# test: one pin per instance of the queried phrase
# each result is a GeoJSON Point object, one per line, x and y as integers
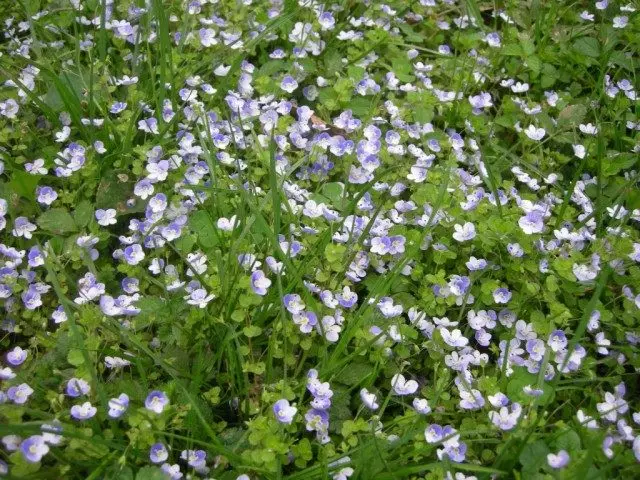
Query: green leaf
{"type": "Point", "coordinates": [613, 165]}
{"type": "Point", "coordinates": [353, 426]}
{"type": "Point", "coordinates": [422, 114]}
{"type": "Point", "coordinates": [257, 368]}
{"type": "Point", "coordinates": [551, 282]}
{"type": "Point", "coordinates": [333, 191]}
{"type": "Point", "coordinates": [185, 243]}
{"type": "Point", "coordinates": [355, 373]}
{"type": "Point", "coordinates": [212, 395]}
{"type": "Point", "coordinates": [410, 34]}
{"type": "Point", "coordinates": [272, 67]}
{"type": "Point", "coordinates": [564, 268]}
{"type": "Point", "coordinates": [151, 309]}
{"type": "Point", "coordinates": [57, 220]}
{"type": "Point", "coordinates": [549, 75]}
{"type": "Point", "coordinates": [534, 63]}
{"type": "Point", "coordinates": [587, 46]}
{"type": "Point", "coordinates": [512, 49]}
{"type": "Point", "coordinates": [75, 357]}
{"type": "Point", "coordinates": [252, 331]}
{"type": "Point", "coordinates": [619, 58]}
{"type": "Point", "coordinates": [21, 467]}
{"type": "Point", "coordinates": [118, 472]}
{"type": "Point", "coordinates": [572, 115]}
{"type": "Point", "coordinates": [23, 184]}
{"type": "Point", "coordinates": [360, 105]}
{"type": "Point", "coordinates": [334, 253]}
{"type": "Point", "coordinates": [114, 190]}
{"type": "Point", "coordinates": [302, 452]}
{"type": "Point", "coordinates": [569, 441]}
{"type": "Point", "coordinates": [473, 10]}
{"type": "Point", "coordinates": [528, 47]}
{"type": "Point", "coordinates": [83, 214]}
{"type": "Point", "coordinates": [534, 455]}
{"type": "Point", "coordinates": [203, 227]}
{"type": "Point", "coordinates": [57, 97]}
{"type": "Point", "coordinates": [522, 378]}
{"type": "Point", "coordinates": [150, 473]}
{"type": "Point", "coordinates": [332, 60]}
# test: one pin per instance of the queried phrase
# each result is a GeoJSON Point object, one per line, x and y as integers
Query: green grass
{"type": "Point", "coordinates": [225, 365]}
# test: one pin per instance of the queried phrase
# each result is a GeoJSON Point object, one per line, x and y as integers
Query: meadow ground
{"type": "Point", "coordinates": [304, 240]}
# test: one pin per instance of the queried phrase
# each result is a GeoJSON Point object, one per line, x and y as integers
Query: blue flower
{"type": "Point", "coordinates": [77, 387]}
{"type": "Point", "coordinates": [156, 401]}
{"type": "Point", "coordinates": [158, 453]}
{"type": "Point", "coordinates": [34, 448]}
{"type": "Point", "coordinates": [260, 283]}
{"type": "Point", "coordinates": [283, 411]}
{"type": "Point", "coordinates": [84, 411]}
{"type": "Point", "coordinates": [118, 406]}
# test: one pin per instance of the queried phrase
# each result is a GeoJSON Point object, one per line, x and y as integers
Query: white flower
{"type": "Point", "coordinates": [586, 420]}
{"type": "Point", "coordinates": [534, 133]}
{"type": "Point", "coordinates": [498, 400]}
{"type": "Point", "coordinates": [620, 22]}
{"type": "Point", "coordinates": [63, 134]}
{"type": "Point", "coordinates": [464, 232]}
{"type": "Point", "coordinates": [454, 338]}
{"type": "Point", "coordinates": [579, 151]}
{"type": "Point", "coordinates": [588, 129]}
{"type": "Point", "coordinates": [421, 406]}
{"type": "Point", "coordinates": [369, 399]}
{"type": "Point", "coordinates": [288, 84]}
{"type": "Point", "coordinates": [199, 298]}
{"type": "Point", "coordinates": [589, 17]}
{"type": "Point", "coordinates": [505, 419]}
{"type": "Point", "coordinates": [36, 168]}
{"type": "Point", "coordinates": [207, 37]}
{"type": "Point", "coordinates": [9, 108]}
{"type": "Point", "coordinates": [584, 272]}
{"type": "Point", "coordinates": [520, 87]}
{"type": "Point", "coordinates": [106, 217]}
{"type": "Point", "coordinates": [388, 309]}
{"type": "Point", "coordinates": [227, 224]}
{"type": "Point", "coordinates": [222, 70]}
{"type": "Point", "coordinates": [612, 406]}
{"type": "Point", "coordinates": [402, 386]}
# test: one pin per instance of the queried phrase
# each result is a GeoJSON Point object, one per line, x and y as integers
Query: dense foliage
{"type": "Point", "coordinates": [306, 240]}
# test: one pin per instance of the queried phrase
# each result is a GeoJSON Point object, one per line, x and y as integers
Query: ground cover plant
{"type": "Point", "coordinates": [306, 240]}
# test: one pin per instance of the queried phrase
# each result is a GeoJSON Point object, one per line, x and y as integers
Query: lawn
{"type": "Point", "coordinates": [298, 240]}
